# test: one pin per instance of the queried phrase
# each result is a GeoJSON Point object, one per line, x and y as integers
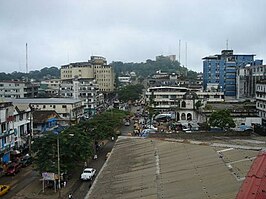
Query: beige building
{"type": "Point", "coordinates": [96, 68]}
{"type": "Point", "coordinates": [52, 85]}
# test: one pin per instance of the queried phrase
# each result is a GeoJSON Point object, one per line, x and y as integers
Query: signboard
{"type": "Point", "coordinates": [48, 176]}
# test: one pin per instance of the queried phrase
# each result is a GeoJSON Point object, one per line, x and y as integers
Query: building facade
{"type": "Point", "coordinates": [180, 100]}
{"type": "Point", "coordinates": [70, 110]}
{"type": "Point", "coordinates": [222, 69]}
{"type": "Point", "coordinates": [14, 130]}
{"type": "Point", "coordinates": [7, 133]}
{"type": "Point", "coordinates": [96, 68]}
{"type": "Point", "coordinates": [50, 87]}
{"type": "Point", "coordinates": [261, 100]}
{"type": "Point", "coordinates": [247, 77]}
{"type": "Point", "coordinates": [85, 90]}
{"type": "Point", "coordinates": [18, 89]}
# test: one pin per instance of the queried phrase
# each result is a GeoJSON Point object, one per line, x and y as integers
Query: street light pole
{"type": "Point", "coordinates": [31, 130]}
{"type": "Point", "coordinates": [58, 167]}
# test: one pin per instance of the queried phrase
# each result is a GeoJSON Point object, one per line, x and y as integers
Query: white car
{"type": "Point", "coordinates": [127, 123]}
{"type": "Point", "coordinates": [88, 174]}
{"type": "Point", "coordinates": [148, 126]}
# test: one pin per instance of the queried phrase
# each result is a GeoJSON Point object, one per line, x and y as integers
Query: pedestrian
{"type": "Point", "coordinates": [95, 157]}
{"type": "Point", "coordinates": [70, 196]}
{"type": "Point", "coordinates": [85, 164]}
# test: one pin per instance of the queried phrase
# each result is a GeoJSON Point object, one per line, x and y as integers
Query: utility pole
{"type": "Point", "coordinates": [31, 129]}
{"type": "Point", "coordinates": [58, 167]}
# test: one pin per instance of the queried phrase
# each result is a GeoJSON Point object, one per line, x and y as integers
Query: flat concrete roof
{"type": "Point", "coordinates": [43, 100]}
{"type": "Point", "coordinates": [153, 168]}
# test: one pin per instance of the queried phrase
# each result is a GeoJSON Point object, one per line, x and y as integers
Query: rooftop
{"type": "Point", "coordinates": [43, 100]}
{"type": "Point", "coordinates": [152, 168]}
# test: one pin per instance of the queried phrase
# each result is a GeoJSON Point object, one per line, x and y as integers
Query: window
{"type": "Point", "coordinates": [63, 106]}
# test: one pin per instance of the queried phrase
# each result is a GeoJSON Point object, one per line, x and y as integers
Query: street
{"type": "Point", "coordinates": [80, 189]}
{"type": "Point", "coordinates": [26, 184]}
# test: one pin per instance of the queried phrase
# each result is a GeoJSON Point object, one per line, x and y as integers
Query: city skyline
{"type": "Point", "coordinates": [59, 32]}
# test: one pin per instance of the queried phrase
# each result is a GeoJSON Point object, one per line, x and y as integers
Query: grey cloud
{"type": "Point", "coordinates": [59, 31]}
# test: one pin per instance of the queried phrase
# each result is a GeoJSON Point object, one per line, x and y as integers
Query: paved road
{"type": "Point", "coordinates": [27, 177]}
{"type": "Point", "coordinates": [18, 182]}
{"type": "Point", "coordinates": [81, 188]}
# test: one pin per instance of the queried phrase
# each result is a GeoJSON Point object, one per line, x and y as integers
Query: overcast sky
{"type": "Point", "coordinates": [63, 31]}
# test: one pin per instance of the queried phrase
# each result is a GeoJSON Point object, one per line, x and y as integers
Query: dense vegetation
{"type": "Point", "coordinates": [143, 70]}
{"type": "Point", "coordinates": [150, 67]}
{"type": "Point", "coordinates": [130, 93]}
{"type": "Point", "coordinates": [45, 73]}
{"type": "Point", "coordinates": [77, 143]}
{"type": "Point", "coordinates": [221, 119]}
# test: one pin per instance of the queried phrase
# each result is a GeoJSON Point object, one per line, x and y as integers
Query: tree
{"type": "Point", "coordinates": [51, 72]}
{"type": "Point", "coordinates": [150, 67]}
{"type": "Point", "coordinates": [221, 119]}
{"type": "Point", "coordinates": [198, 104]}
{"type": "Point", "coordinates": [76, 142]}
{"type": "Point", "coordinates": [75, 146]}
{"type": "Point", "coordinates": [130, 93]}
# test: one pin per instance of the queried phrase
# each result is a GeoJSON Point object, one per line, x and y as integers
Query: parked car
{"type": "Point", "coordinates": [127, 123]}
{"type": "Point", "coordinates": [13, 169]}
{"type": "Point", "coordinates": [4, 189]}
{"type": "Point", "coordinates": [88, 174]}
{"type": "Point", "coordinates": [151, 127]}
{"type": "Point", "coordinates": [26, 160]}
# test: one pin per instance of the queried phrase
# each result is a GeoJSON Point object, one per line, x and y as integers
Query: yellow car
{"type": "Point", "coordinates": [4, 189]}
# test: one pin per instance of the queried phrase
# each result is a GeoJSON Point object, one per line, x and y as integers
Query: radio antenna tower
{"type": "Point", "coordinates": [27, 67]}
{"type": "Point", "coordinates": [179, 52]}
{"type": "Point", "coordinates": [186, 54]}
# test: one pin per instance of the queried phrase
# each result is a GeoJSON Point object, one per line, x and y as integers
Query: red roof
{"type": "Point", "coordinates": [254, 186]}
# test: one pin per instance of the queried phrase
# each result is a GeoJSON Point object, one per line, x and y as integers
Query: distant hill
{"type": "Point", "coordinates": [45, 73]}
{"type": "Point", "coordinates": [141, 69]}
{"type": "Point", "coordinates": [150, 67]}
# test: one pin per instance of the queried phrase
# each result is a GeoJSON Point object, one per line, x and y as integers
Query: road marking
{"type": "Point", "coordinates": [224, 150]}
{"type": "Point", "coordinates": [243, 160]}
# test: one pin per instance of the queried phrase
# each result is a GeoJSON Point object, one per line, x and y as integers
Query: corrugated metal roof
{"type": "Point", "coordinates": [145, 168]}
{"type": "Point", "coordinates": [254, 186]}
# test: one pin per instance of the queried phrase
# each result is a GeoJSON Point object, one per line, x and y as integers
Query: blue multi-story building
{"type": "Point", "coordinates": [221, 70]}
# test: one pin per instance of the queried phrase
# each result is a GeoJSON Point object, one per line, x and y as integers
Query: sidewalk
{"type": "Point", "coordinates": [35, 189]}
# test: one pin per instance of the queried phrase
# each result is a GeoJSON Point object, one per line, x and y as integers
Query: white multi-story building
{"type": "Point", "coordinates": [85, 90]}
{"type": "Point", "coordinates": [7, 133]}
{"type": "Point", "coordinates": [261, 100]}
{"type": "Point", "coordinates": [15, 127]}
{"type": "Point", "coordinates": [246, 78]}
{"type": "Point", "coordinates": [18, 89]}
{"type": "Point", "coordinates": [124, 80]}
{"type": "Point", "coordinates": [96, 68]}
{"type": "Point", "coordinates": [184, 100]}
